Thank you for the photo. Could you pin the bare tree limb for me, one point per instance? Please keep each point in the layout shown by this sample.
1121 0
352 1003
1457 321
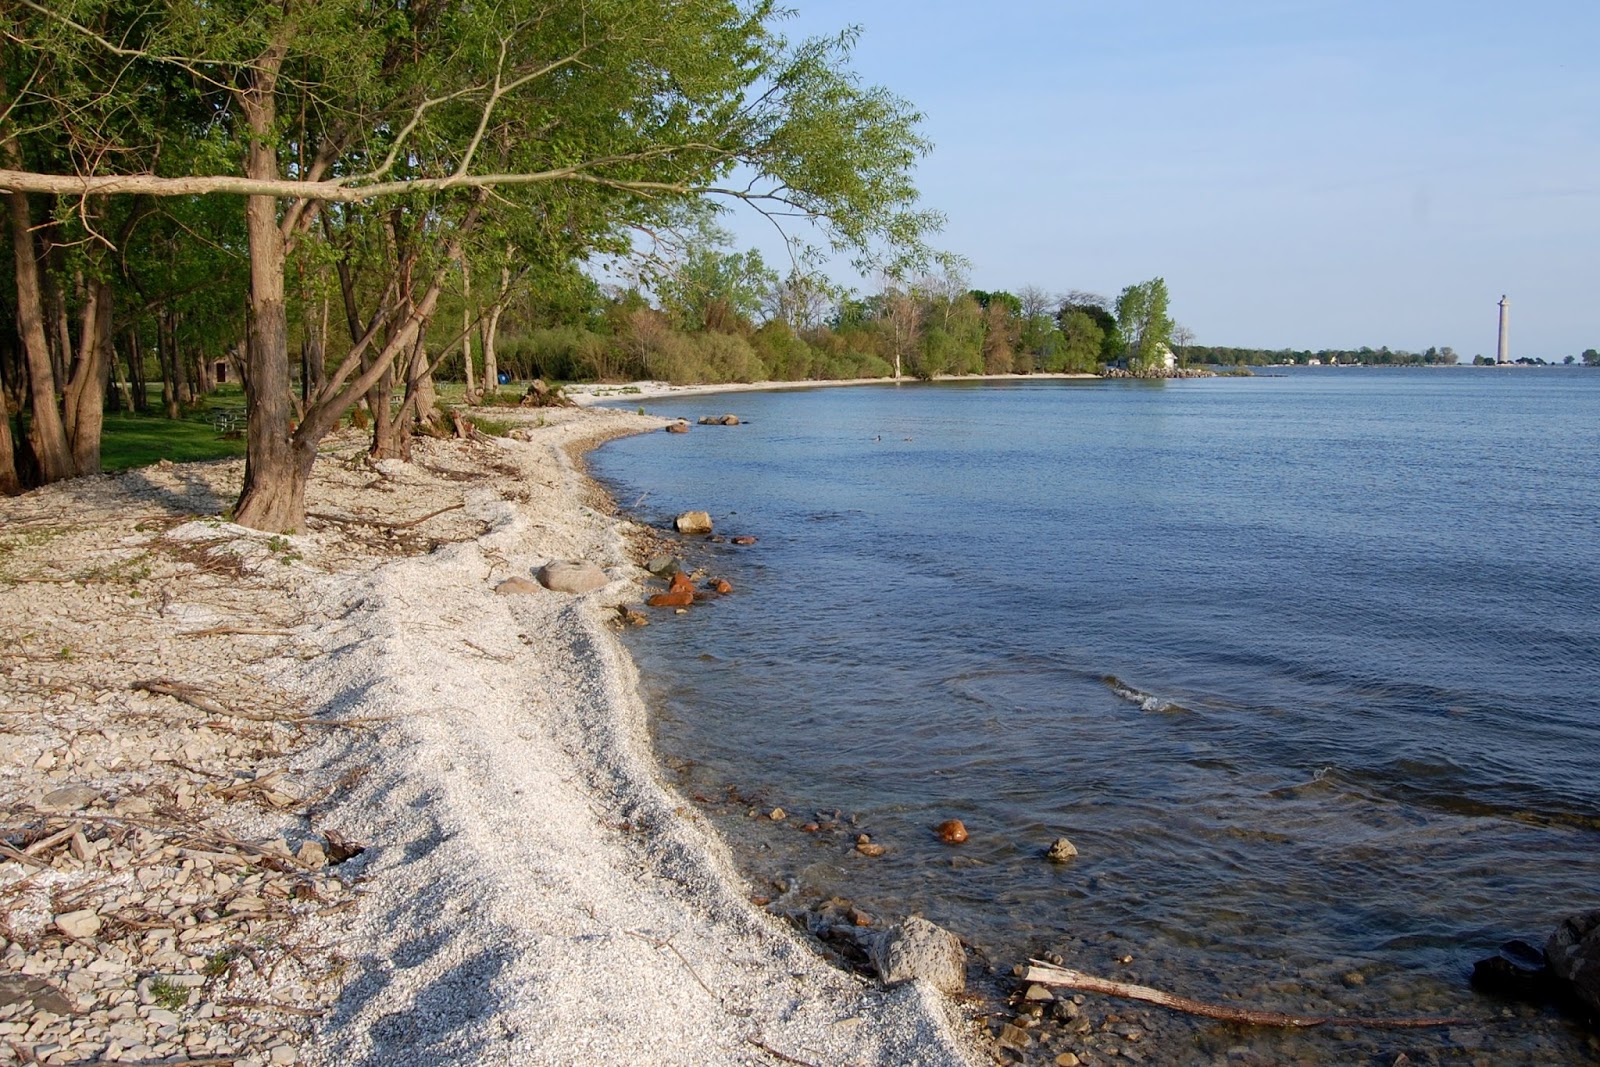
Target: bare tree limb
1049 974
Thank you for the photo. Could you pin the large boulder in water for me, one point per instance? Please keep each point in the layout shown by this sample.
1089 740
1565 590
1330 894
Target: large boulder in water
693 522
1573 954
919 949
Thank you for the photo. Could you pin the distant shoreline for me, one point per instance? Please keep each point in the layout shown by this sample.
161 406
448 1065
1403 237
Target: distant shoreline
588 393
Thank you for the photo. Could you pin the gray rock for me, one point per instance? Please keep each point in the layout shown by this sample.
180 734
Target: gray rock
575 576
663 566
1573 953
36 992
515 586
693 522
84 923
69 798
919 949
1061 850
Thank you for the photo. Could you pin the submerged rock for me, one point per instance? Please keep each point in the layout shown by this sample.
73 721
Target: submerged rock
951 831
1518 970
1061 850
918 949
693 522
677 427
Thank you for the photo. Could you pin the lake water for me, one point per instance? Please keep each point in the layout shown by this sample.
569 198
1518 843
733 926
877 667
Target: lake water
1306 665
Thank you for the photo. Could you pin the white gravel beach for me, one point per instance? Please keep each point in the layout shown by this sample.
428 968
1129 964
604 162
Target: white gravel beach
233 707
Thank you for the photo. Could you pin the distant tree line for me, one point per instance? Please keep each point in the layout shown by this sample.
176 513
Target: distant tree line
698 310
1264 357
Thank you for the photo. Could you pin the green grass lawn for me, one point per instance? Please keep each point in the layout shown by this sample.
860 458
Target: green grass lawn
140 440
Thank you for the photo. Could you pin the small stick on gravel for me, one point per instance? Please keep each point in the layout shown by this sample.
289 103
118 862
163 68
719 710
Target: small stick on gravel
775 1054
1049 974
352 520
239 631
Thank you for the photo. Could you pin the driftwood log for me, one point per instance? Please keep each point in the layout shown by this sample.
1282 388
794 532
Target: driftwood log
1050 975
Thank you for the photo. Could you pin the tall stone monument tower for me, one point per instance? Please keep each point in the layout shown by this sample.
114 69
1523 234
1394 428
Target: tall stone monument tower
1504 353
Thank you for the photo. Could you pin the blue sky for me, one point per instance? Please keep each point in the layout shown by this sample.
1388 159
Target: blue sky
1304 174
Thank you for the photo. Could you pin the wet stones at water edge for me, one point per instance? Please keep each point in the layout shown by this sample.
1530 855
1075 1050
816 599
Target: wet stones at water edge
868 847
678 427
918 949
692 523
1567 969
1518 970
663 565
572 576
1573 954
679 595
719 420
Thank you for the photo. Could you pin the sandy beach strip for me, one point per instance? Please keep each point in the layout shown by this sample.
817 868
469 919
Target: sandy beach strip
233 706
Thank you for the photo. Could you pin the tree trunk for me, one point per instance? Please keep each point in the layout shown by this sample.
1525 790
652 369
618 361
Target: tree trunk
46 434
136 378
380 398
122 396
10 484
314 356
491 328
275 471
167 356
85 400
466 331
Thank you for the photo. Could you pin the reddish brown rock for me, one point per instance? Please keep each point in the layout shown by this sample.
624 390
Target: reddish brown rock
720 585
951 831
681 584
745 540
672 600
677 427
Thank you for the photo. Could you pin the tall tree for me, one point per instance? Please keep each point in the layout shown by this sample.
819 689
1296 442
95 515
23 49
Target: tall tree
590 113
1144 325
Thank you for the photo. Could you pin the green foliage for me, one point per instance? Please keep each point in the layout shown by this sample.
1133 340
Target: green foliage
1082 343
169 996
1144 325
